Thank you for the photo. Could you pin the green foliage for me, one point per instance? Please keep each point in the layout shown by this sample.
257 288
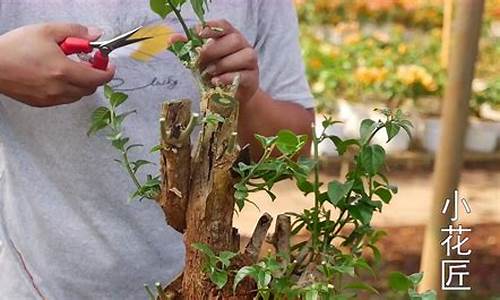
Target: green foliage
355 199
489 95
402 283
216 266
262 176
109 120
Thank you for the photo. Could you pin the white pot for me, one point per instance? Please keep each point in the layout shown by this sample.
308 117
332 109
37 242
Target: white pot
351 114
399 143
481 136
431 134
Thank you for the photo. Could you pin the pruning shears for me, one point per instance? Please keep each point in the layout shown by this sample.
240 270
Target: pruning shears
100 59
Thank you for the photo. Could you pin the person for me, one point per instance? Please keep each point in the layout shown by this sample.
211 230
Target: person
66 229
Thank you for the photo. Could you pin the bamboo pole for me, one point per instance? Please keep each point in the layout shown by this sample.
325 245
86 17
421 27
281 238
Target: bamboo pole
466 32
446 32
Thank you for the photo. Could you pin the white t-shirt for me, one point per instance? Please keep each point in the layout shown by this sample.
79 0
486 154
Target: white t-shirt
66 229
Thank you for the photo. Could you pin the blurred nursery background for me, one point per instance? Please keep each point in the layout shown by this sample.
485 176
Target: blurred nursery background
367 54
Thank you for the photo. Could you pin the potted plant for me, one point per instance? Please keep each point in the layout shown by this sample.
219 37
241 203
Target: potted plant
199 191
484 127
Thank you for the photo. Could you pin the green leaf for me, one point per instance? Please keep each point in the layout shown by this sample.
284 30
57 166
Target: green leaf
200 7
203 248
377 256
362 286
100 114
428 295
384 194
362 264
399 282
108 91
339 144
372 158
242 273
160 7
139 163
152 183
312 295
119 143
96 126
263 279
226 256
117 99
337 191
366 129
155 148
361 212
219 278
134 146
288 142
345 270
416 278
392 130
265 141
213 118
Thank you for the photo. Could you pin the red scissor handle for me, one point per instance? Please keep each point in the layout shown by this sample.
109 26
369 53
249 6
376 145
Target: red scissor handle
100 61
72 45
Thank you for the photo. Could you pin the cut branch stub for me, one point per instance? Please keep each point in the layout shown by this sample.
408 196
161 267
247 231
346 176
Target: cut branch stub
176 126
254 246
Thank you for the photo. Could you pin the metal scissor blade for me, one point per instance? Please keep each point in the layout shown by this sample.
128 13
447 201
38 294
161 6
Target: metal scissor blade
119 41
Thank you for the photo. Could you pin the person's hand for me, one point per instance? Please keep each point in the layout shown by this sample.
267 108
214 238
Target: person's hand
35 71
226 55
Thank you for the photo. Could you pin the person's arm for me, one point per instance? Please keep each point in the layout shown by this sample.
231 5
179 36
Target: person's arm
35 71
266 116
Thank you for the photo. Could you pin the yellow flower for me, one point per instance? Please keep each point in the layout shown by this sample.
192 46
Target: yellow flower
315 63
369 76
413 74
402 48
335 52
352 38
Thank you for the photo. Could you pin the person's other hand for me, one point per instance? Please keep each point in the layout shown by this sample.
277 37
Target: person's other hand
227 54
35 71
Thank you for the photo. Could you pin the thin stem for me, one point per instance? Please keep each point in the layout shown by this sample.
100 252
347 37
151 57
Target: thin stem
181 20
129 170
373 134
316 189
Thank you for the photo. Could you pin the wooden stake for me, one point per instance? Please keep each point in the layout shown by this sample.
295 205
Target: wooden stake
467 28
446 32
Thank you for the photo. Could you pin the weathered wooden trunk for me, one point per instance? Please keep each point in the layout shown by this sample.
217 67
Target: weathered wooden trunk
197 192
197 195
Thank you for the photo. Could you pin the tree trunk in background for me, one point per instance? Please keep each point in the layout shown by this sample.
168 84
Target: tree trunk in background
466 32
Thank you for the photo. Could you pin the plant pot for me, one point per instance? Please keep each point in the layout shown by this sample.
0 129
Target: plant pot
351 114
481 136
399 143
431 134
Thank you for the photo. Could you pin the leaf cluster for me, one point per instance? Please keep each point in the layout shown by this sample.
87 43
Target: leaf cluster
109 120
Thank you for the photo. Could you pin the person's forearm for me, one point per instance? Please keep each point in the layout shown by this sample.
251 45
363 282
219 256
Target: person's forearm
266 116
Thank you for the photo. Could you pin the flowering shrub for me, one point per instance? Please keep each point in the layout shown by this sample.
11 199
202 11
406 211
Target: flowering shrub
382 66
423 13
